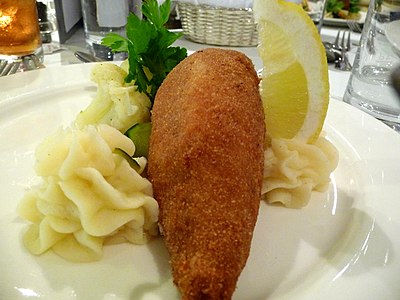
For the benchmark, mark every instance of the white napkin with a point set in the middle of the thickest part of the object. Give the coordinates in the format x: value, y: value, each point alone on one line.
x: 222, y: 3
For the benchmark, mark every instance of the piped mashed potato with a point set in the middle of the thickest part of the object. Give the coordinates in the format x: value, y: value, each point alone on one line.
x: 90, y: 194
x: 293, y: 169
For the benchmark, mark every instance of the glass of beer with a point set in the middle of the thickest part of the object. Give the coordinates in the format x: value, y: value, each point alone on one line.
x: 19, y: 30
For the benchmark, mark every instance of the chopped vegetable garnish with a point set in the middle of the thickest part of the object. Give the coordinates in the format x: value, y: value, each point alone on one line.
x: 140, y: 135
x: 132, y: 162
x: 342, y: 9
x: 148, y: 45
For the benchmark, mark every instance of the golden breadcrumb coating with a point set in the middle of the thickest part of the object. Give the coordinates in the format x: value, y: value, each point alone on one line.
x: 206, y: 167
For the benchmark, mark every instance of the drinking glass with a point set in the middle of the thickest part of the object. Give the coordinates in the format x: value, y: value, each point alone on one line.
x: 19, y: 30
x: 370, y: 87
x: 104, y: 16
x: 47, y: 20
x: 316, y: 11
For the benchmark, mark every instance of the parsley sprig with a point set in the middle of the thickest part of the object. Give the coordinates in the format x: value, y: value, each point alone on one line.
x: 148, y: 44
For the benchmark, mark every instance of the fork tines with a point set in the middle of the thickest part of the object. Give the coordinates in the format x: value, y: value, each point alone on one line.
x: 26, y: 63
x: 3, y: 64
x: 342, y: 43
x: 354, y: 26
x: 9, y: 68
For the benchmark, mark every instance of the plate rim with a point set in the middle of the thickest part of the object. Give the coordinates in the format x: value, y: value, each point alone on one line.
x: 335, y: 107
x: 343, y: 22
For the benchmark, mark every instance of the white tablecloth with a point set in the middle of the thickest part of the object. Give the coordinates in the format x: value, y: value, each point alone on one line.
x: 338, y: 79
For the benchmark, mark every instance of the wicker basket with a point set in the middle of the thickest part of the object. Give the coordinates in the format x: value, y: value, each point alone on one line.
x: 218, y: 25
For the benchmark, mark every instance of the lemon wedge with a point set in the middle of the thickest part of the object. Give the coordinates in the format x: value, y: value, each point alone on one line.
x: 295, y: 85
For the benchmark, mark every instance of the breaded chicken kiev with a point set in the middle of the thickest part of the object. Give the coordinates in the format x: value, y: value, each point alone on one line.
x: 206, y: 167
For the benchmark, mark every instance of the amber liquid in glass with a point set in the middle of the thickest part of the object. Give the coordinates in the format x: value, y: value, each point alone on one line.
x: 19, y: 28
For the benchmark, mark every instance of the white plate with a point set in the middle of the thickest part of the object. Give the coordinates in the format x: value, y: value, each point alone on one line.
x: 342, y: 22
x: 393, y: 35
x: 344, y: 245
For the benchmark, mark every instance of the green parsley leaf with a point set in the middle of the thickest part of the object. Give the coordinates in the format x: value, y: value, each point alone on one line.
x: 148, y: 44
x: 115, y: 42
x: 158, y: 16
x: 354, y: 6
x: 334, y: 6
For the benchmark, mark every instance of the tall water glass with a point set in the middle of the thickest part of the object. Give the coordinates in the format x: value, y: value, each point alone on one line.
x: 19, y: 30
x: 316, y: 11
x: 104, y: 16
x: 369, y: 87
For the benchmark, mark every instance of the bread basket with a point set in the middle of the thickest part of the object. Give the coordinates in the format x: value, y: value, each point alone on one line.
x: 217, y: 25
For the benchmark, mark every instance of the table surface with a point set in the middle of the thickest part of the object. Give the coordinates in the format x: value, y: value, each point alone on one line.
x: 338, y: 79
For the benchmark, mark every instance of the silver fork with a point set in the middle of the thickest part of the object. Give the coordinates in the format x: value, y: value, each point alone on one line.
x: 32, y: 62
x: 343, y: 42
x: 343, y: 62
x: 9, y: 68
x: 354, y: 26
x: 27, y: 63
